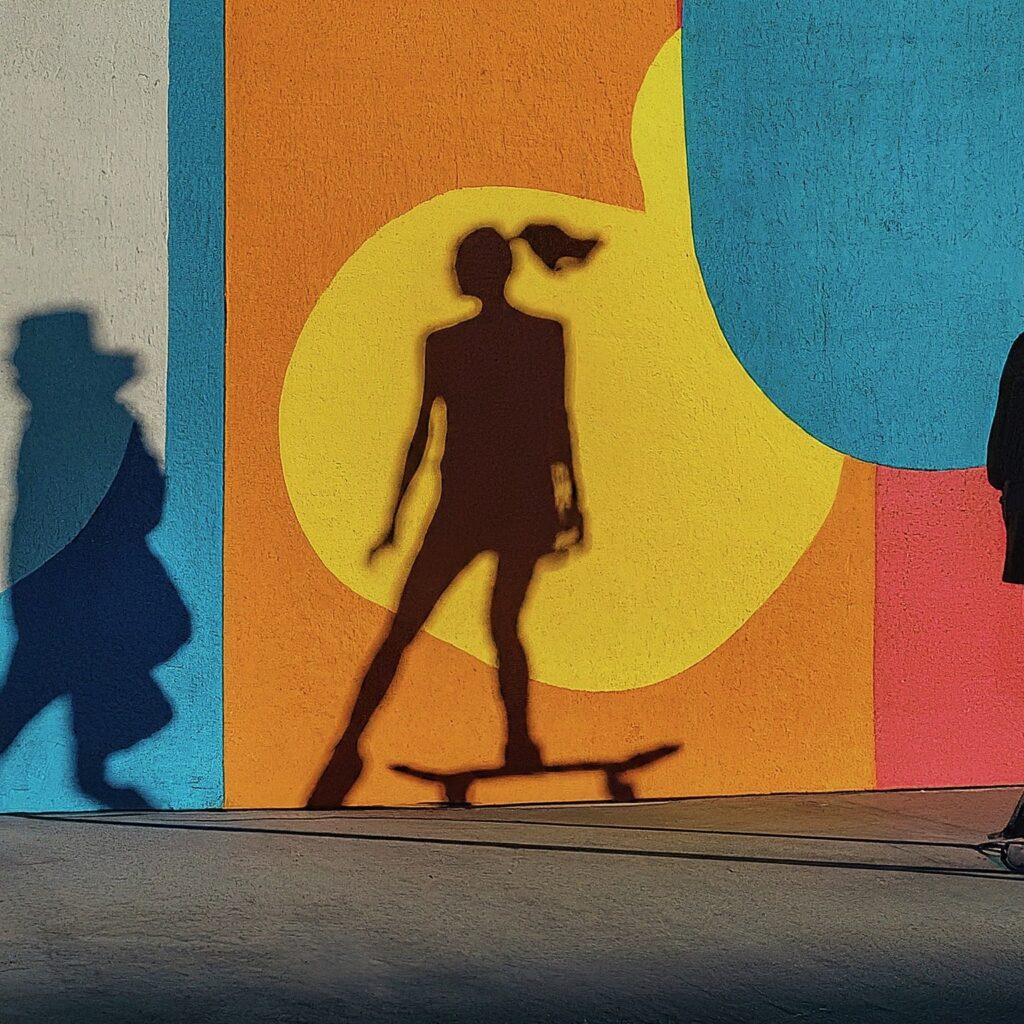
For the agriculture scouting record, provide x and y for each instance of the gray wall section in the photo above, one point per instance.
(83, 214)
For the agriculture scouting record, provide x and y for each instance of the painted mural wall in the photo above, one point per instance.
(780, 364)
(602, 405)
(110, 405)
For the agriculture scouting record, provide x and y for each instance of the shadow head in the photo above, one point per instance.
(55, 359)
(483, 263)
(483, 260)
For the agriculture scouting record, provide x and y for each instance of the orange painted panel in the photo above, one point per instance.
(338, 121)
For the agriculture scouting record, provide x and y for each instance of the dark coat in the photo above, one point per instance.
(1005, 461)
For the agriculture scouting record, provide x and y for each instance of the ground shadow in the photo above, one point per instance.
(95, 619)
(509, 487)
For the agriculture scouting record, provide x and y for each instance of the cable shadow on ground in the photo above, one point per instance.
(494, 844)
(658, 829)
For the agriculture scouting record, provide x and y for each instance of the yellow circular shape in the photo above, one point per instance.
(700, 494)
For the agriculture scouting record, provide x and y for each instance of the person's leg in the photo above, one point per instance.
(1014, 828)
(511, 584)
(438, 563)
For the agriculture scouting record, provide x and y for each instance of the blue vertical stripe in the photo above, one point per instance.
(189, 537)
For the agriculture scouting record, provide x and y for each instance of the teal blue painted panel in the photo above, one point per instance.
(857, 182)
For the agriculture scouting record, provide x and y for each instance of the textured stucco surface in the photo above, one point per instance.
(546, 103)
(866, 274)
(949, 663)
(854, 177)
(857, 175)
(83, 216)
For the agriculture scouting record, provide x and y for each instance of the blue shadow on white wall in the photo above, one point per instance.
(110, 651)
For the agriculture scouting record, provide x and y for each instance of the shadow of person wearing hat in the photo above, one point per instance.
(97, 617)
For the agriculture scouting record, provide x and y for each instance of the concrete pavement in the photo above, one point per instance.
(863, 907)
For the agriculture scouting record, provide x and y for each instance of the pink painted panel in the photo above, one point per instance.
(949, 635)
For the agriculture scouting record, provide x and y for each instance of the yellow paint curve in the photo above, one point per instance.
(701, 495)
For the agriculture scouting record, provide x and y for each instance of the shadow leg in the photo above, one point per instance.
(346, 765)
(91, 776)
(618, 788)
(103, 727)
(438, 563)
(24, 695)
(511, 584)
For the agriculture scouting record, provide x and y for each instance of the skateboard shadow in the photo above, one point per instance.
(456, 785)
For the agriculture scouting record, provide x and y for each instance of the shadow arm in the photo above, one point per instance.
(561, 453)
(417, 447)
